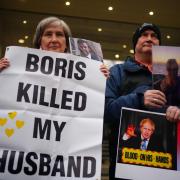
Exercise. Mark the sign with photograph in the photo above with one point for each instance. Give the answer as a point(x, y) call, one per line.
point(166, 72)
point(147, 146)
point(51, 116)
point(86, 48)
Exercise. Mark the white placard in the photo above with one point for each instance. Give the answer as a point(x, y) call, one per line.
point(51, 116)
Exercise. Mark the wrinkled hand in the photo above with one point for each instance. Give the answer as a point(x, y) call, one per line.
point(173, 114)
point(104, 69)
point(4, 63)
point(154, 98)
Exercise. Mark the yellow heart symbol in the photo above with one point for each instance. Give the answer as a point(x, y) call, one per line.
point(12, 115)
point(19, 124)
point(9, 132)
point(3, 121)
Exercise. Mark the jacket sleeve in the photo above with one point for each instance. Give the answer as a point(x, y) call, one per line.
point(114, 100)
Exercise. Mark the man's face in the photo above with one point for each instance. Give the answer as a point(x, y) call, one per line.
point(84, 49)
point(145, 42)
point(146, 130)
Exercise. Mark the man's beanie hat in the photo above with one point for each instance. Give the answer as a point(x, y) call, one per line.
point(142, 28)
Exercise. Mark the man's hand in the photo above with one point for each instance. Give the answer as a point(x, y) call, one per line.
point(130, 132)
point(173, 114)
point(154, 98)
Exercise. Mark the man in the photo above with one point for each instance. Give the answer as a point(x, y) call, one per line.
point(130, 85)
point(146, 140)
point(85, 50)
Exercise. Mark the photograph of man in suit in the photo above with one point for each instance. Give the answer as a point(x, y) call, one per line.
point(85, 50)
point(145, 140)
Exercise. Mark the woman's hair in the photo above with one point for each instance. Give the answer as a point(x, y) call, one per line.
point(43, 24)
point(171, 63)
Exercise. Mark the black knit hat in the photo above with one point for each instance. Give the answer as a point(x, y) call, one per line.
point(141, 29)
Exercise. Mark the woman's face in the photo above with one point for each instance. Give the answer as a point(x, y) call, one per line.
point(53, 38)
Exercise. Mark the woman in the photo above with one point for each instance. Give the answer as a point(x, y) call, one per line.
point(52, 34)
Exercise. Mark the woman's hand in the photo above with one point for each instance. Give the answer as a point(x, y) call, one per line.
point(4, 63)
point(104, 69)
